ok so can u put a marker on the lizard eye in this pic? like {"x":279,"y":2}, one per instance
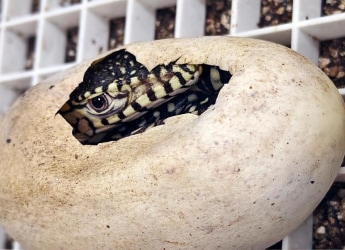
{"x":99,"y":103}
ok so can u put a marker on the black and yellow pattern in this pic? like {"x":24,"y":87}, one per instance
{"x":120,"y":97}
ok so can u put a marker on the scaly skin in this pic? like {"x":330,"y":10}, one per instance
{"x":120,"y":97}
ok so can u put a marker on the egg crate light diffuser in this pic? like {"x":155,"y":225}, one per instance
{"x":46,"y":23}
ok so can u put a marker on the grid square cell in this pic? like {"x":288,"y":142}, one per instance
{"x":245,"y":15}
{"x":311,"y":33}
{"x":55,"y":37}
{"x":332,"y":60}
{"x":15,"y":46}
{"x":190,"y":18}
{"x":20,"y":8}
{"x":9,"y":92}
{"x":218,"y":15}
{"x":96,"y":31}
{"x":141,"y":25}
{"x":307,"y":9}
{"x":329,"y":220}
{"x":165,"y":23}
{"x":245,"y":19}
{"x":275,"y":12}
{"x":116,"y":32}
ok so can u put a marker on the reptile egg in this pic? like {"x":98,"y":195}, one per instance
{"x":241,"y":175}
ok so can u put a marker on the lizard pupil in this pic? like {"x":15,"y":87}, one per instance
{"x":99,"y":103}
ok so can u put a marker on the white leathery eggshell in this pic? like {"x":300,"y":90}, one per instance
{"x":242,"y":175}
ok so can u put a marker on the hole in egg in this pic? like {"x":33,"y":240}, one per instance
{"x":153,"y":96}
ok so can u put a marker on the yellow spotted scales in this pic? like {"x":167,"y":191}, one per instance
{"x":119,"y":97}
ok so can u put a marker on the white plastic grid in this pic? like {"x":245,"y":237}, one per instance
{"x":50,"y":22}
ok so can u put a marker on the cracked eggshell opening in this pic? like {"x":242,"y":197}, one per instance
{"x":242,"y":175}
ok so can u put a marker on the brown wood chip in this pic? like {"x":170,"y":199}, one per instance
{"x":329,"y":220}
{"x":165,"y":23}
{"x":332,"y":60}
{"x":274,"y":12}
{"x":218,"y":14}
{"x":331,"y":7}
